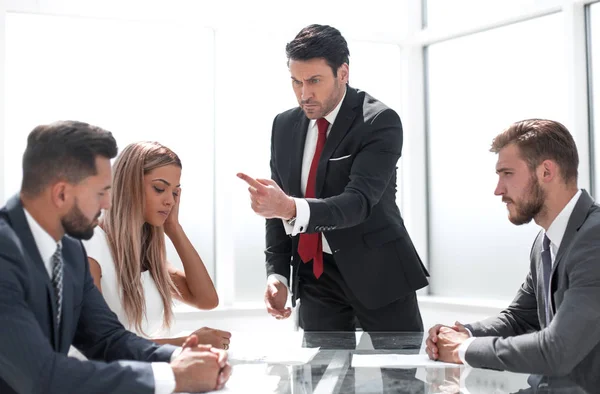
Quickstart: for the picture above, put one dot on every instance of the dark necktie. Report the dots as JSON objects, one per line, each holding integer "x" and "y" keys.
{"x": 310, "y": 246}
{"x": 57, "y": 280}
{"x": 546, "y": 269}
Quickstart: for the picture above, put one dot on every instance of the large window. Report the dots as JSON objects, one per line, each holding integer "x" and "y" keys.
{"x": 142, "y": 81}
{"x": 455, "y": 14}
{"x": 594, "y": 21}
{"x": 478, "y": 85}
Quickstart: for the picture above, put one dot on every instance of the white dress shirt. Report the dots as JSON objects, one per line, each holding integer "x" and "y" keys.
{"x": 164, "y": 378}
{"x": 302, "y": 207}
{"x": 555, "y": 234}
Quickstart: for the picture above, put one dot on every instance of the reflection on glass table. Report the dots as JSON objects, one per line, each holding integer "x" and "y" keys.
{"x": 348, "y": 363}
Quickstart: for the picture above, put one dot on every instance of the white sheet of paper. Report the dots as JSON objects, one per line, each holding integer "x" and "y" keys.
{"x": 396, "y": 361}
{"x": 287, "y": 356}
{"x": 243, "y": 375}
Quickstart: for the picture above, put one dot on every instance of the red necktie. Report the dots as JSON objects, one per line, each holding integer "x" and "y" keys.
{"x": 310, "y": 246}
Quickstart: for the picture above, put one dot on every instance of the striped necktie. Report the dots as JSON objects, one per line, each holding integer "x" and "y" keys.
{"x": 57, "y": 280}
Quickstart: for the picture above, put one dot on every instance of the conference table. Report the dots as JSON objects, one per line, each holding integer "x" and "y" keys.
{"x": 361, "y": 362}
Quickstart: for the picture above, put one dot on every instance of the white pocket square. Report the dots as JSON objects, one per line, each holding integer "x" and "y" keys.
{"x": 339, "y": 158}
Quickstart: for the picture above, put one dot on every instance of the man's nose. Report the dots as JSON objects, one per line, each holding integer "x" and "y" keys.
{"x": 499, "y": 189}
{"x": 306, "y": 92}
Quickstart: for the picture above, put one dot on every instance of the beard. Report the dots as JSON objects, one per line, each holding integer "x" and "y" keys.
{"x": 329, "y": 103}
{"x": 77, "y": 225}
{"x": 530, "y": 206}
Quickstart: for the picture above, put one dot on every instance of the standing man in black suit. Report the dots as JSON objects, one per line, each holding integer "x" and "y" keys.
{"x": 330, "y": 204}
{"x": 48, "y": 300}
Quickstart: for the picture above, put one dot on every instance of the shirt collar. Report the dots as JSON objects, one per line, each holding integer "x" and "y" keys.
{"x": 44, "y": 241}
{"x": 330, "y": 117}
{"x": 557, "y": 229}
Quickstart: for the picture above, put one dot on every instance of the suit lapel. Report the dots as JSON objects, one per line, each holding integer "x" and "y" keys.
{"x": 19, "y": 223}
{"x": 299, "y": 131}
{"x": 339, "y": 129}
{"x": 580, "y": 213}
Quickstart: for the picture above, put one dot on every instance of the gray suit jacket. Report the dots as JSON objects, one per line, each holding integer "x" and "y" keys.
{"x": 33, "y": 350}
{"x": 518, "y": 339}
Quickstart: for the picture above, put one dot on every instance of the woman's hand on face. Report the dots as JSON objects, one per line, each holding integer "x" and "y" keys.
{"x": 211, "y": 336}
{"x": 172, "y": 221}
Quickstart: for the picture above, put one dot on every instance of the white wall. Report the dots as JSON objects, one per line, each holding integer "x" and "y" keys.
{"x": 138, "y": 79}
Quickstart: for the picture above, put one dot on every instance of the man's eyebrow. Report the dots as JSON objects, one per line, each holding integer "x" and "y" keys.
{"x": 309, "y": 78}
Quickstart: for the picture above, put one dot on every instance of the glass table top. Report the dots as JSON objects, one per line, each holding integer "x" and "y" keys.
{"x": 363, "y": 363}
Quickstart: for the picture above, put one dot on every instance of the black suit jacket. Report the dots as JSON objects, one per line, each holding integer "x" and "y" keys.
{"x": 356, "y": 200}
{"x": 33, "y": 351}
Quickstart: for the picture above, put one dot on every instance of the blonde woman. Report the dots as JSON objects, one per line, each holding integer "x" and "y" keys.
{"x": 127, "y": 253}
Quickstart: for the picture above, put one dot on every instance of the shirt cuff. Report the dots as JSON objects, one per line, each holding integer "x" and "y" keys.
{"x": 164, "y": 378}
{"x": 288, "y": 228}
{"x": 462, "y": 350}
{"x": 302, "y": 218}
{"x": 273, "y": 277}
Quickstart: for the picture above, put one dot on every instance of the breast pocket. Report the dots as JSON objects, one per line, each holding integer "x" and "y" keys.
{"x": 340, "y": 164}
{"x": 338, "y": 173}
{"x": 340, "y": 158}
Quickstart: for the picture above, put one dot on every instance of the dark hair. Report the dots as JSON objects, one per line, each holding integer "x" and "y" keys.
{"x": 63, "y": 150}
{"x": 539, "y": 140}
{"x": 319, "y": 41}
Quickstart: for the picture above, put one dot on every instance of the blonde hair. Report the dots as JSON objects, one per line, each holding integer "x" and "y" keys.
{"x": 133, "y": 242}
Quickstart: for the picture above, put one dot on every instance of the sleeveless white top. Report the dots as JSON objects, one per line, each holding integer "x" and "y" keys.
{"x": 98, "y": 249}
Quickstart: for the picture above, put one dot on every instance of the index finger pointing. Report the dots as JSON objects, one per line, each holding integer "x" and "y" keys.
{"x": 251, "y": 181}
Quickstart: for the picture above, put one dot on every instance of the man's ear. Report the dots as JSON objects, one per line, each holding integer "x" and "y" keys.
{"x": 344, "y": 73}
{"x": 60, "y": 194}
{"x": 548, "y": 170}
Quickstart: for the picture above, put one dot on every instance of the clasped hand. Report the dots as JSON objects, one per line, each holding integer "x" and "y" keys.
{"x": 443, "y": 342}
{"x": 200, "y": 368}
